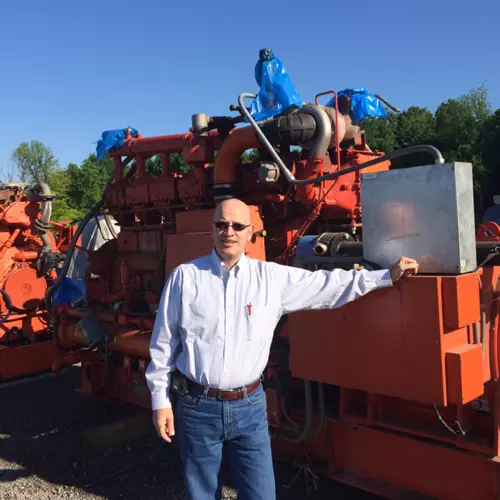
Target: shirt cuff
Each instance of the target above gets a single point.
(382, 278)
(160, 400)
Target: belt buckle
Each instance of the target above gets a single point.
(218, 394)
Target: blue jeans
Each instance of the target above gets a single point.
(204, 424)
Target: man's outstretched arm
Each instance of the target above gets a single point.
(302, 289)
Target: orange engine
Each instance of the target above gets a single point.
(396, 393)
(29, 255)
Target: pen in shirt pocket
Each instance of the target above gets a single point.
(249, 311)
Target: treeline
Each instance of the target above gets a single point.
(463, 129)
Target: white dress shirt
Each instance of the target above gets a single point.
(216, 325)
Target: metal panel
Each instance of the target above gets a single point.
(422, 212)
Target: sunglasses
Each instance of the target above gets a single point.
(237, 226)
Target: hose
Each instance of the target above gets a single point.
(321, 401)
(289, 176)
(50, 291)
(296, 427)
(307, 426)
(8, 303)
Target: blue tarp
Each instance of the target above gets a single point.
(113, 139)
(277, 92)
(70, 291)
(363, 104)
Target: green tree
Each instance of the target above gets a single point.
(415, 126)
(59, 182)
(457, 129)
(490, 154)
(459, 126)
(177, 164)
(381, 134)
(87, 181)
(34, 161)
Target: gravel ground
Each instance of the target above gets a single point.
(41, 457)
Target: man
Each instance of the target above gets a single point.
(215, 324)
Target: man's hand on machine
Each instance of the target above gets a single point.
(403, 267)
(163, 420)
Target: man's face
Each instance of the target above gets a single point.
(231, 239)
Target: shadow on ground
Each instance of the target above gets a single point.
(41, 422)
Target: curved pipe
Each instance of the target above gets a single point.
(238, 141)
(324, 130)
(245, 138)
(308, 193)
(438, 158)
(43, 225)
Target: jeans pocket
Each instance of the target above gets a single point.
(190, 400)
(257, 397)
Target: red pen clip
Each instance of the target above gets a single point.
(249, 307)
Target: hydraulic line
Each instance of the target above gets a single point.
(307, 426)
(8, 303)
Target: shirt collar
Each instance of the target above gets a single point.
(219, 266)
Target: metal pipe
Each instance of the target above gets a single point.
(389, 105)
(424, 148)
(23, 256)
(308, 193)
(9, 242)
(324, 130)
(43, 225)
(238, 141)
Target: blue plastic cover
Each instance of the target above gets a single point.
(277, 92)
(363, 104)
(113, 139)
(305, 246)
(70, 291)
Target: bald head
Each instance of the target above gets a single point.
(230, 239)
(233, 207)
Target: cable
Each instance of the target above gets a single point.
(8, 303)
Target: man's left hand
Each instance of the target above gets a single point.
(403, 267)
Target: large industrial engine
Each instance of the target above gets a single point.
(394, 393)
(31, 247)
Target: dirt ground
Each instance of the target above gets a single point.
(41, 454)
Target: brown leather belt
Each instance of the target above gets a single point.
(225, 395)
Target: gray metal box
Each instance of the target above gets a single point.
(426, 213)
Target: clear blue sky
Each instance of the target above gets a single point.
(71, 69)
